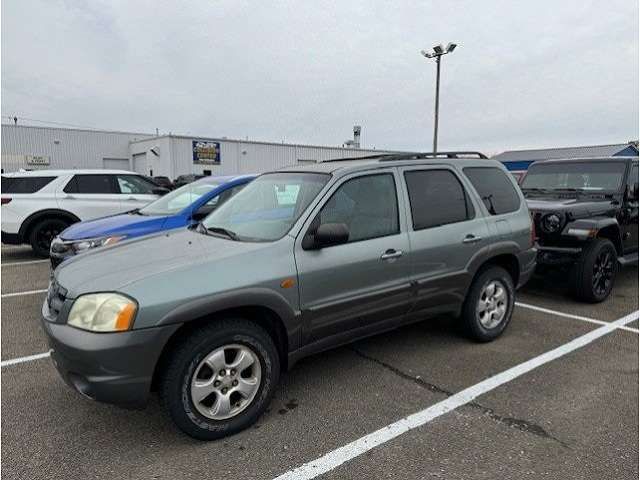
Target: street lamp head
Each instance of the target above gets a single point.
(438, 49)
(451, 47)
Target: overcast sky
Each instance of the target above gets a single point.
(526, 73)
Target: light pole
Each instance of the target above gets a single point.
(438, 51)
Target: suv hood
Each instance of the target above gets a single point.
(122, 224)
(573, 207)
(114, 267)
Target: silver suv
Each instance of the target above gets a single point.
(301, 260)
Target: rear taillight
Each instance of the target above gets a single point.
(5, 200)
(533, 231)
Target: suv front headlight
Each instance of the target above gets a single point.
(103, 312)
(551, 223)
(83, 245)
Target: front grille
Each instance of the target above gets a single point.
(56, 295)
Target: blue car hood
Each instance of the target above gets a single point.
(124, 224)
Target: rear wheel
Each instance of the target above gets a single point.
(43, 232)
(595, 272)
(220, 378)
(489, 304)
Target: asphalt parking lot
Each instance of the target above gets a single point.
(570, 409)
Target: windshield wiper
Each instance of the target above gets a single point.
(227, 233)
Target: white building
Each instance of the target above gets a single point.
(30, 147)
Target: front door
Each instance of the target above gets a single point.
(630, 227)
(363, 282)
(135, 191)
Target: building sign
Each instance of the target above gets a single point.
(38, 160)
(206, 152)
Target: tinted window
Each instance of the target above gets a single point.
(367, 205)
(91, 184)
(24, 184)
(633, 175)
(495, 189)
(437, 198)
(134, 184)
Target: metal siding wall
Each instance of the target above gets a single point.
(76, 148)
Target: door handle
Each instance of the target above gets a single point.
(69, 197)
(131, 199)
(391, 254)
(471, 239)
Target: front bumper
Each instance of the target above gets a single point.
(108, 367)
(10, 238)
(552, 256)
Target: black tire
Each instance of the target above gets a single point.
(180, 367)
(592, 280)
(470, 320)
(43, 232)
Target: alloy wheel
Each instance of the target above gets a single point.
(492, 305)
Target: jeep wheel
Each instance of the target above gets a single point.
(220, 378)
(488, 307)
(43, 233)
(595, 272)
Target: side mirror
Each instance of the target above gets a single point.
(327, 235)
(160, 191)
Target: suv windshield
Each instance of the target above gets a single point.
(587, 176)
(178, 200)
(267, 208)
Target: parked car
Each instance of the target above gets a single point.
(188, 204)
(164, 182)
(184, 179)
(299, 261)
(586, 215)
(38, 205)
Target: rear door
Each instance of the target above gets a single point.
(91, 196)
(135, 191)
(446, 232)
(364, 282)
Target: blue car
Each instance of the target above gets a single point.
(179, 208)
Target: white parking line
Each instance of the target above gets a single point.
(574, 317)
(15, 361)
(26, 262)
(360, 446)
(20, 294)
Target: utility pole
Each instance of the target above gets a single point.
(437, 53)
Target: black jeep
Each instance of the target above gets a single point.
(586, 218)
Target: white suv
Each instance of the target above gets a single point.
(38, 205)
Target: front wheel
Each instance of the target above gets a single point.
(595, 272)
(220, 379)
(43, 233)
(489, 304)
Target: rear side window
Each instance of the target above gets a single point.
(91, 184)
(24, 184)
(495, 189)
(437, 198)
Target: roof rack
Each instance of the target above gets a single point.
(420, 156)
(388, 157)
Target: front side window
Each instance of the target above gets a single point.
(24, 184)
(367, 205)
(495, 189)
(585, 176)
(135, 185)
(437, 198)
(267, 208)
(91, 184)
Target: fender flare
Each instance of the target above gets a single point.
(36, 216)
(244, 298)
